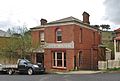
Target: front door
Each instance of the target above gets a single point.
(40, 58)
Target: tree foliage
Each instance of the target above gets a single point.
(103, 27)
(19, 42)
(18, 45)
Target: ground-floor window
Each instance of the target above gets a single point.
(59, 59)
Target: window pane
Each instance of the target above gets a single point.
(54, 59)
(54, 63)
(64, 59)
(59, 38)
(59, 63)
(59, 35)
(59, 59)
(64, 56)
(54, 56)
(64, 63)
(42, 36)
(59, 55)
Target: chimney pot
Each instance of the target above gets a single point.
(43, 21)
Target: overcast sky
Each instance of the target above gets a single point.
(29, 12)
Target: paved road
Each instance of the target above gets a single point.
(63, 77)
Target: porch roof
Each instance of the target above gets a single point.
(39, 50)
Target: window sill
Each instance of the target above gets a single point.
(59, 41)
(55, 67)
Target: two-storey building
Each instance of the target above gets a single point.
(68, 44)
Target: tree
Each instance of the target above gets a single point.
(96, 27)
(20, 41)
(7, 49)
(104, 26)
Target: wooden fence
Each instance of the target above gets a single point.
(108, 64)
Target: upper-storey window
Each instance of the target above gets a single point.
(59, 35)
(42, 37)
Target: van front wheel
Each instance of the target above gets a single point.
(30, 71)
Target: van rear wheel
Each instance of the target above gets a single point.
(30, 71)
(10, 71)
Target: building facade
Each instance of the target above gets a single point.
(67, 44)
(117, 44)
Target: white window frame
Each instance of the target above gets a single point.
(42, 36)
(57, 35)
(57, 59)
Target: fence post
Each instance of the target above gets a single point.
(107, 63)
(119, 63)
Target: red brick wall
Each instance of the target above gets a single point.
(95, 59)
(87, 37)
(67, 33)
(85, 59)
(35, 37)
(90, 38)
(50, 34)
(48, 60)
(70, 59)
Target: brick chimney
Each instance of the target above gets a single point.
(86, 18)
(43, 21)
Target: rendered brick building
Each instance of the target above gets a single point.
(68, 44)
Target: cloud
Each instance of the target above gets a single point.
(112, 11)
(4, 25)
(12, 20)
(18, 12)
